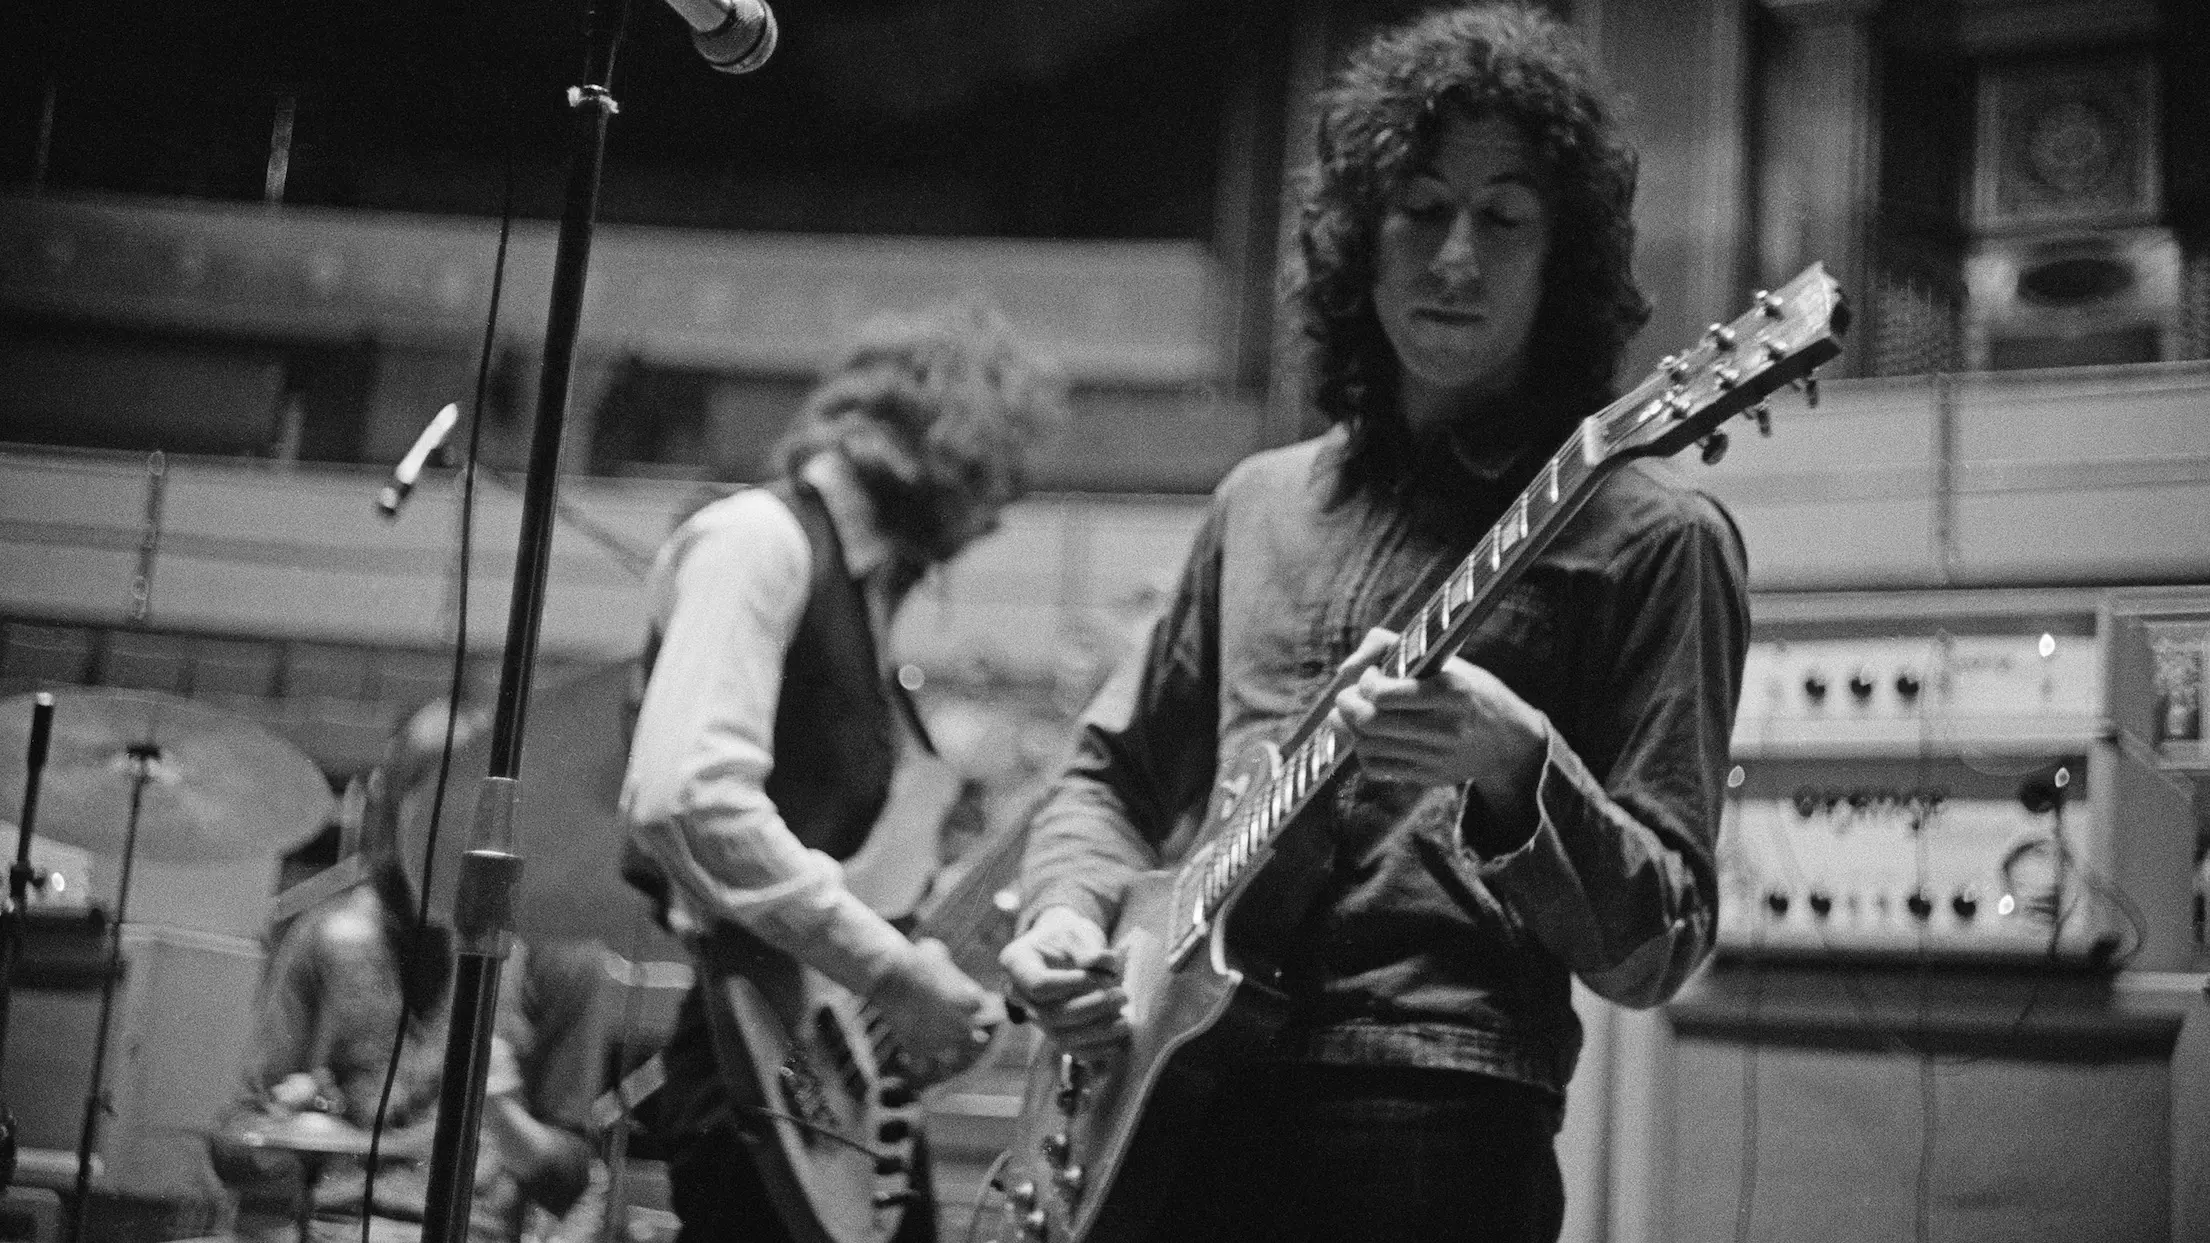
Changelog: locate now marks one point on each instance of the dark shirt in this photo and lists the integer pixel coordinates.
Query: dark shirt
(1446, 932)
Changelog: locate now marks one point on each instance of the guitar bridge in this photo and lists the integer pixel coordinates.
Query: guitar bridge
(803, 1096)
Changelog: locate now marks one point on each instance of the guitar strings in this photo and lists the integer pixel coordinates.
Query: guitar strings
(989, 1184)
(814, 1128)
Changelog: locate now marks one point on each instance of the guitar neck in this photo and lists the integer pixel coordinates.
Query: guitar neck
(1783, 337)
(1436, 629)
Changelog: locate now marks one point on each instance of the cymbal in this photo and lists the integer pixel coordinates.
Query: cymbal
(302, 1132)
(218, 786)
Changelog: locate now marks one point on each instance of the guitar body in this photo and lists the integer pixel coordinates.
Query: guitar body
(831, 1131)
(1099, 1134)
(830, 1111)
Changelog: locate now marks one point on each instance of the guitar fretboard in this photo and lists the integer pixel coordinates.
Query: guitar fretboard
(1434, 631)
(1785, 335)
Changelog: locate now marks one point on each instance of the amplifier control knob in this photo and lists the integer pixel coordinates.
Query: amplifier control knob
(1966, 904)
(1907, 685)
(1822, 903)
(1921, 906)
(1776, 901)
(1814, 686)
(1860, 686)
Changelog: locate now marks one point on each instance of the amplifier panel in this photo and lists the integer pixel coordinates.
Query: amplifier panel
(1912, 860)
(1889, 695)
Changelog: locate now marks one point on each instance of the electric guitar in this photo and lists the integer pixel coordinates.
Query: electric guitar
(829, 1105)
(1095, 1133)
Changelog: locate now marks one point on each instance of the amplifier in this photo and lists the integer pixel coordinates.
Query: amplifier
(1982, 791)
(1907, 695)
(1909, 859)
(183, 1027)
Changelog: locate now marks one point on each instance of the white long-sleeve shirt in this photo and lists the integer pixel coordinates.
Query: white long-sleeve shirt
(726, 594)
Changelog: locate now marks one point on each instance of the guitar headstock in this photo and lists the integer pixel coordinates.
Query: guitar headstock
(1784, 337)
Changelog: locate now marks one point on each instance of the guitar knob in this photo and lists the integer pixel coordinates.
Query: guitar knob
(1034, 1221)
(895, 1094)
(1070, 1178)
(1713, 448)
(1023, 1194)
(1056, 1147)
(893, 1130)
(1070, 1099)
(896, 1199)
(889, 1166)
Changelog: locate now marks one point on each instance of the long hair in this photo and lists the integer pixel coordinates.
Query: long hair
(938, 413)
(1380, 122)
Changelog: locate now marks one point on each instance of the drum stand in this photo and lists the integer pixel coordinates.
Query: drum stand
(143, 756)
(21, 877)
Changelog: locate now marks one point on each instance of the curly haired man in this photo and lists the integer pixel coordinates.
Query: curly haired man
(1544, 806)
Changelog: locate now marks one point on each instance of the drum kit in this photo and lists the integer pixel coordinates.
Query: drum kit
(157, 785)
(128, 777)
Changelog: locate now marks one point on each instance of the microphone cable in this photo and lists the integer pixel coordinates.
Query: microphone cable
(457, 679)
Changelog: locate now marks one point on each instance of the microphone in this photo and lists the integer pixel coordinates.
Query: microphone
(735, 36)
(410, 467)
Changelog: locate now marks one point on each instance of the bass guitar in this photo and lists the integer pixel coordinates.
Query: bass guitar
(830, 1104)
(1096, 1133)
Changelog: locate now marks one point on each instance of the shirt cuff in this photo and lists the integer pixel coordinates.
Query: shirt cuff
(810, 915)
(1564, 791)
(1068, 894)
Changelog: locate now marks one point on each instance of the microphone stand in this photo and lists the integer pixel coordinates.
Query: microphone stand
(21, 876)
(483, 915)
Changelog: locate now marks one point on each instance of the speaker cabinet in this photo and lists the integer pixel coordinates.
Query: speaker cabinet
(2067, 266)
(2072, 298)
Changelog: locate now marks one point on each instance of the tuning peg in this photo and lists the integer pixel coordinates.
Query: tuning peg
(1762, 415)
(1809, 384)
(1714, 447)
(1768, 302)
(1721, 336)
(1727, 377)
(1675, 368)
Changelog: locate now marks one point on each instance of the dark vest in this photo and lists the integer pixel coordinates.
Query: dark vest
(836, 738)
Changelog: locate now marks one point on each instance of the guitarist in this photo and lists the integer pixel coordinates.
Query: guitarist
(1544, 808)
(768, 727)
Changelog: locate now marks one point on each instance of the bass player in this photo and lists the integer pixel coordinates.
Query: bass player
(1544, 807)
(768, 726)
